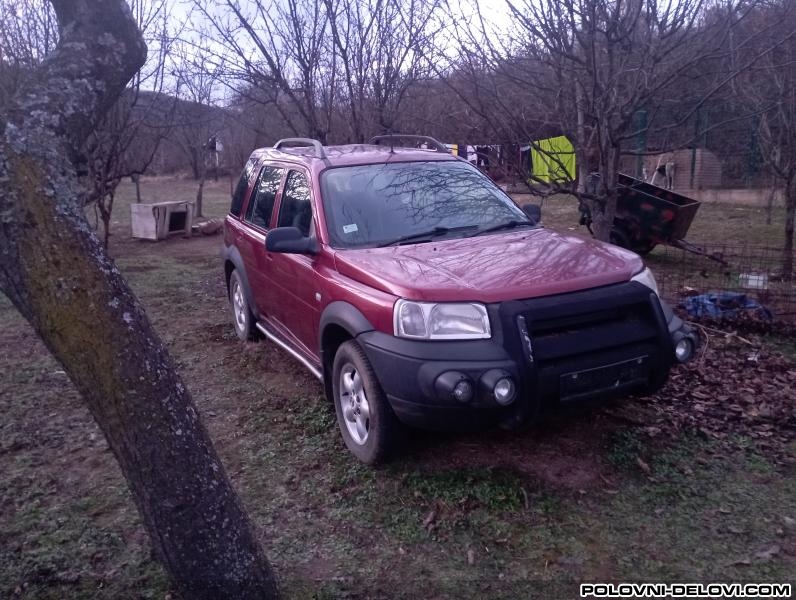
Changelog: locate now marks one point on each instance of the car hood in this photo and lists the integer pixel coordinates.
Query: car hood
(490, 268)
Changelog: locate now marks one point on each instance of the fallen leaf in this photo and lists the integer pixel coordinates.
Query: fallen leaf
(768, 553)
(736, 530)
(430, 518)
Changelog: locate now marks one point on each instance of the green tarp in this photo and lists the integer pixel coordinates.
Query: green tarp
(553, 160)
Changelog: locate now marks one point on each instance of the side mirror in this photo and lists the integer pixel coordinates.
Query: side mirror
(534, 212)
(289, 240)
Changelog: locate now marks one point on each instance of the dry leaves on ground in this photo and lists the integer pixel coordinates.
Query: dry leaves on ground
(736, 386)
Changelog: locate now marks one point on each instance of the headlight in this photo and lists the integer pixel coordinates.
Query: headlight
(646, 278)
(444, 321)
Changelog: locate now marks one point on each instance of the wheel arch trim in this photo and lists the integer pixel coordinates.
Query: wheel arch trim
(345, 315)
(231, 255)
(348, 318)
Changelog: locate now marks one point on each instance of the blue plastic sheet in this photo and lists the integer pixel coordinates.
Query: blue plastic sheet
(725, 305)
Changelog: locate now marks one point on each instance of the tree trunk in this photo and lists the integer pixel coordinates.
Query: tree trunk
(105, 206)
(194, 156)
(790, 216)
(605, 210)
(602, 223)
(199, 197)
(582, 156)
(57, 274)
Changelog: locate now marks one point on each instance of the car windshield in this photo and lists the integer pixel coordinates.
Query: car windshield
(376, 205)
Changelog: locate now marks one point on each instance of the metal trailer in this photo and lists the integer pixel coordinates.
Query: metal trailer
(648, 215)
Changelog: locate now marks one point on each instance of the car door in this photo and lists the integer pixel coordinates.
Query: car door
(293, 276)
(258, 218)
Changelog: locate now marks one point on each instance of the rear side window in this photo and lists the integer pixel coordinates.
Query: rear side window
(296, 209)
(262, 203)
(240, 190)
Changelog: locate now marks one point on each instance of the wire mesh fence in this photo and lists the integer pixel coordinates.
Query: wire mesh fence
(754, 272)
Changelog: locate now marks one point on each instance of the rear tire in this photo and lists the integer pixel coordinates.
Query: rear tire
(369, 427)
(620, 237)
(242, 316)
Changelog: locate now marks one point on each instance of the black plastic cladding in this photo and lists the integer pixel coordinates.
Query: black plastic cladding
(570, 332)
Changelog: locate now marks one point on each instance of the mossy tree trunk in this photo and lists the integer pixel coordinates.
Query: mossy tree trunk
(59, 277)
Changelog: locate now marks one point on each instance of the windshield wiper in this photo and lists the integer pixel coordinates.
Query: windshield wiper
(424, 235)
(504, 225)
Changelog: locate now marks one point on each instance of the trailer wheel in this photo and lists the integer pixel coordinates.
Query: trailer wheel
(619, 238)
(643, 248)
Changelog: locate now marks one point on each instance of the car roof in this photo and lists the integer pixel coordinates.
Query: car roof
(351, 154)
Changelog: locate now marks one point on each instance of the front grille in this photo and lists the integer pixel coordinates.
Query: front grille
(583, 331)
(590, 331)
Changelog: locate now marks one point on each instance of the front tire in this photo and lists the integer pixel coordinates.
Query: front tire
(242, 316)
(367, 423)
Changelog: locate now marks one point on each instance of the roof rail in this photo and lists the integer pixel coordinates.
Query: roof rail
(319, 153)
(435, 144)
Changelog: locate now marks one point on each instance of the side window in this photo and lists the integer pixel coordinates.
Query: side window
(262, 203)
(296, 209)
(243, 185)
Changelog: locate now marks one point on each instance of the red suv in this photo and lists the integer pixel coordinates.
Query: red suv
(419, 293)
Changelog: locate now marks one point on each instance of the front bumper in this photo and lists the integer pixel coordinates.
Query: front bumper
(569, 348)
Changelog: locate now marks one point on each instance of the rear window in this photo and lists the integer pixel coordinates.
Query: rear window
(262, 203)
(296, 207)
(239, 195)
(368, 205)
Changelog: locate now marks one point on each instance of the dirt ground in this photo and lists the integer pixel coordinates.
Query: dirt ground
(630, 490)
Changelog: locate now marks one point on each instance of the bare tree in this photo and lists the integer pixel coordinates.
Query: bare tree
(333, 69)
(769, 90)
(381, 46)
(28, 32)
(125, 141)
(57, 274)
(196, 127)
(280, 46)
(588, 69)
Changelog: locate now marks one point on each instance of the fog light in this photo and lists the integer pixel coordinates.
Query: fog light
(463, 391)
(505, 391)
(454, 385)
(683, 350)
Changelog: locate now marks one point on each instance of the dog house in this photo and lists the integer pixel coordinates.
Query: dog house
(159, 220)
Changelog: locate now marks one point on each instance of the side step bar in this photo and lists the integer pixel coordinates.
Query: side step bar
(312, 369)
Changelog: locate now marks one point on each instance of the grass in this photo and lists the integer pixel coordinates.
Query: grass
(479, 515)
(485, 488)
